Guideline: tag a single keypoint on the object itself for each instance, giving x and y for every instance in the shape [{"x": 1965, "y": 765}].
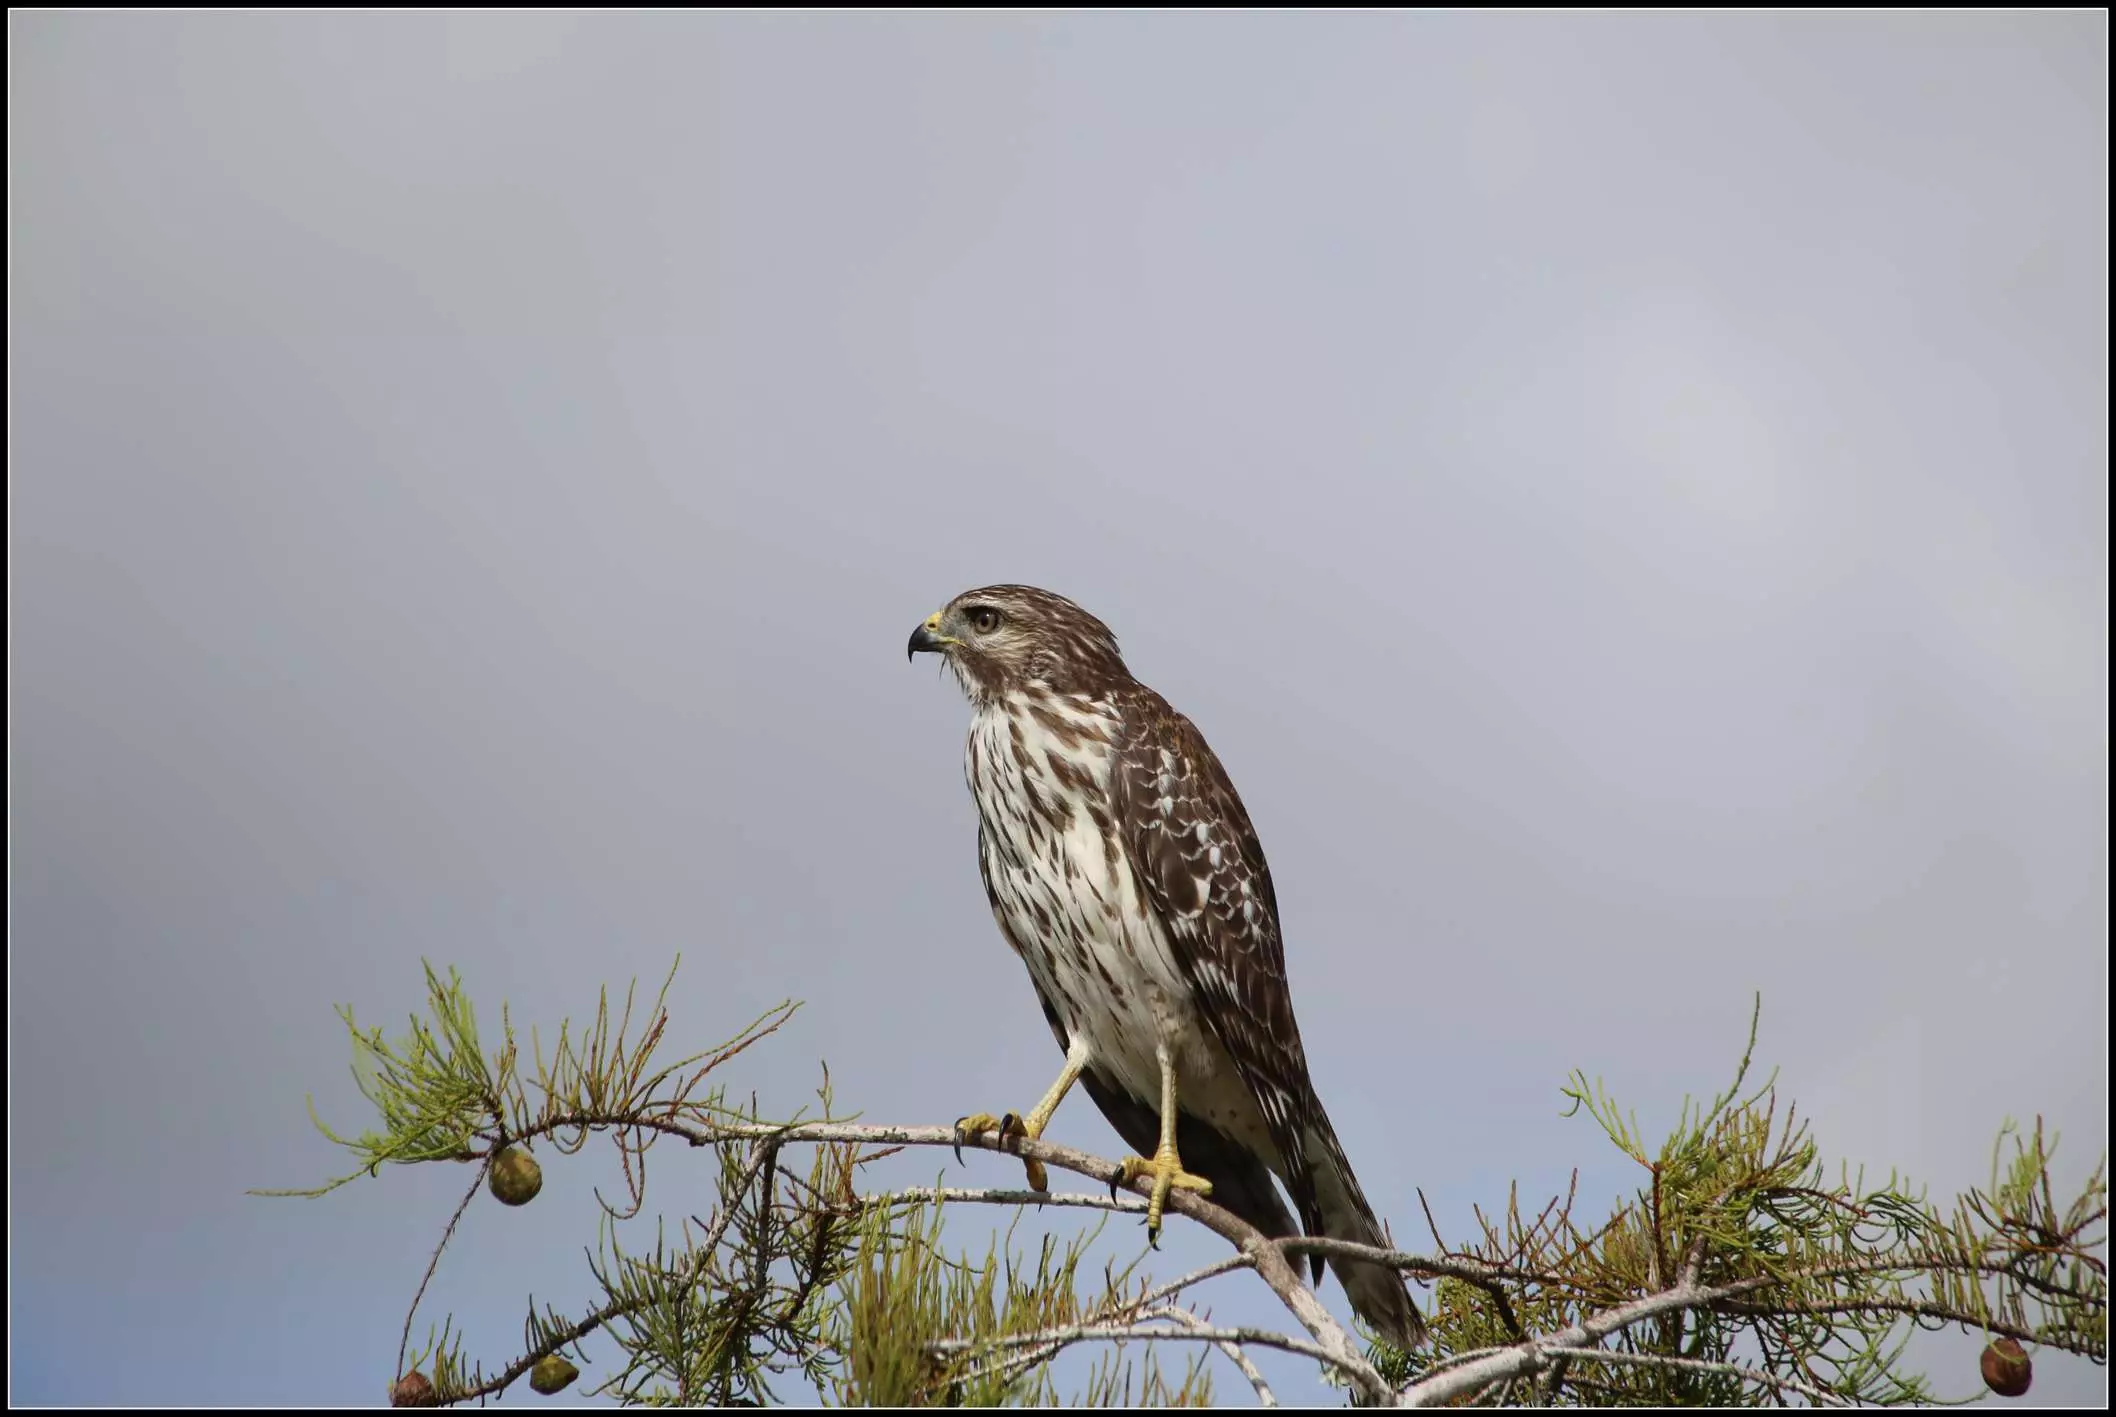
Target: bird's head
[{"x": 1012, "y": 636}]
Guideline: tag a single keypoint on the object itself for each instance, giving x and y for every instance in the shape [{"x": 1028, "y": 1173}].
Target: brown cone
[
  {"x": 413, "y": 1390},
  {"x": 2007, "y": 1369}
]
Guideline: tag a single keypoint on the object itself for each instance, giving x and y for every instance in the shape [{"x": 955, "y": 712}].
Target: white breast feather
[{"x": 1098, "y": 919}]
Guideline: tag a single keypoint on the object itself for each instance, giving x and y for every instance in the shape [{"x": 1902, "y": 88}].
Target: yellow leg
[
  {"x": 1039, "y": 1116},
  {"x": 1166, "y": 1168}
]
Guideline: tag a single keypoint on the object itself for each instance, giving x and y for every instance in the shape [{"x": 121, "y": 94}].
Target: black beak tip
[{"x": 922, "y": 639}]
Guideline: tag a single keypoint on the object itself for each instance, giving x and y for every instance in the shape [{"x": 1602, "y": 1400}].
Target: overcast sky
[{"x": 1625, "y": 496}]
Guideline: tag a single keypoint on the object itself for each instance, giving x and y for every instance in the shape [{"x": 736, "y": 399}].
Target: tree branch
[
  {"x": 434, "y": 1263},
  {"x": 1821, "y": 1396},
  {"x": 1125, "y": 1333},
  {"x": 1270, "y": 1262},
  {"x": 1232, "y": 1349},
  {"x": 616, "y": 1308},
  {"x": 1273, "y": 1261},
  {"x": 952, "y": 1195},
  {"x": 1527, "y": 1359}
]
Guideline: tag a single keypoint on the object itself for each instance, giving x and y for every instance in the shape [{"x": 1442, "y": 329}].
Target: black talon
[
  {"x": 1114, "y": 1177},
  {"x": 958, "y": 1138}
]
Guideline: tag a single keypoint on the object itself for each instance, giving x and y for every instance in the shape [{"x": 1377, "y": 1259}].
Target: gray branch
[
  {"x": 1821, "y": 1397},
  {"x": 1232, "y": 1349}
]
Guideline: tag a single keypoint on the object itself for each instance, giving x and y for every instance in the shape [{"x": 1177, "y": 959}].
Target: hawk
[{"x": 1123, "y": 869}]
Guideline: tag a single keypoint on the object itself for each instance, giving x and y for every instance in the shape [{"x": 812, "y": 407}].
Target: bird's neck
[{"x": 1036, "y": 735}]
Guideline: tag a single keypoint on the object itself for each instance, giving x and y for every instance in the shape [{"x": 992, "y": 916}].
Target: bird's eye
[{"x": 984, "y": 619}]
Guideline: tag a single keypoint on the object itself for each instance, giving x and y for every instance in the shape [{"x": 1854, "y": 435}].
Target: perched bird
[{"x": 1123, "y": 870}]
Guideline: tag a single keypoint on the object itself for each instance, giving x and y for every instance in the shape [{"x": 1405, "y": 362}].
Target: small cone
[
  {"x": 2007, "y": 1369},
  {"x": 413, "y": 1390},
  {"x": 552, "y": 1374},
  {"x": 515, "y": 1178}
]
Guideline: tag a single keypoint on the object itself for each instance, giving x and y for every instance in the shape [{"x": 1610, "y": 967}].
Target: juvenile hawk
[{"x": 1123, "y": 870}]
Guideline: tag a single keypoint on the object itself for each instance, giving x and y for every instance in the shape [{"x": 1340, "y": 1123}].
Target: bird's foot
[
  {"x": 1011, "y": 1125},
  {"x": 1168, "y": 1174}
]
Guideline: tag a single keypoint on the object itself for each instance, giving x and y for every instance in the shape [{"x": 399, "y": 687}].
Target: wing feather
[
  {"x": 1240, "y": 1181},
  {"x": 1198, "y": 858}
]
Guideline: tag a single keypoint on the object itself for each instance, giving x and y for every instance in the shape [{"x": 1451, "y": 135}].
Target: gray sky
[{"x": 1626, "y": 497}]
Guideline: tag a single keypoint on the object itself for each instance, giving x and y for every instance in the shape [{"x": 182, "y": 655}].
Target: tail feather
[
  {"x": 1378, "y": 1294},
  {"x": 1332, "y": 1204}
]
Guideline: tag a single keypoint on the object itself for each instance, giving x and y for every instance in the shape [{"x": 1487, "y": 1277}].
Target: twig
[
  {"x": 1273, "y": 1259},
  {"x": 1821, "y": 1396},
  {"x": 1111, "y": 1312},
  {"x": 1908, "y": 1308},
  {"x": 951, "y": 1195},
  {"x": 1543, "y": 1355},
  {"x": 1469, "y": 1271},
  {"x": 1270, "y": 1262},
  {"x": 434, "y": 1263},
  {"x": 1126, "y": 1333},
  {"x": 617, "y": 1308},
  {"x": 1225, "y": 1265},
  {"x": 1456, "y": 1360},
  {"x": 1535, "y": 1356},
  {"x": 1232, "y": 1349},
  {"x": 1272, "y": 1268}
]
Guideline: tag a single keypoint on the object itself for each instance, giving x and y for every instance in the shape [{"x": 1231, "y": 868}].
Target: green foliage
[
  {"x": 432, "y": 1087},
  {"x": 1828, "y": 1276},
  {"x": 1737, "y": 1274},
  {"x": 742, "y": 1297},
  {"x": 787, "y": 1274},
  {"x": 922, "y": 1328}
]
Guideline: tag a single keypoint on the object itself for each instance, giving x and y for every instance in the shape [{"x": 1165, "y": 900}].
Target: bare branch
[
  {"x": 1226, "y": 1265},
  {"x": 952, "y": 1195},
  {"x": 1579, "y": 1341},
  {"x": 1270, "y": 1261},
  {"x": 1821, "y": 1396},
  {"x": 1468, "y": 1271},
  {"x": 1737, "y": 1269},
  {"x": 1232, "y": 1349},
  {"x": 1534, "y": 1356},
  {"x": 1907, "y": 1308},
  {"x": 1127, "y": 1311},
  {"x": 618, "y": 1308},
  {"x": 1128, "y": 1333},
  {"x": 434, "y": 1263}
]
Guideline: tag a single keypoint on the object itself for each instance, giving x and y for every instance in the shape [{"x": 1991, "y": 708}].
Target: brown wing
[
  {"x": 1239, "y": 1179},
  {"x": 1198, "y": 857}
]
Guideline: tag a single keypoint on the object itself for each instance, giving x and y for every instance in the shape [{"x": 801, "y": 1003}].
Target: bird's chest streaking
[{"x": 1064, "y": 891}]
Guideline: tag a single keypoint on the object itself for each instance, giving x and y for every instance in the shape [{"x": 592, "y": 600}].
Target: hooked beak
[{"x": 928, "y": 639}]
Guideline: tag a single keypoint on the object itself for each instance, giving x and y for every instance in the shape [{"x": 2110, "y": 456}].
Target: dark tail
[
  {"x": 1241, "y": 1184},
  {"x": 1378, "y": 1294}
]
